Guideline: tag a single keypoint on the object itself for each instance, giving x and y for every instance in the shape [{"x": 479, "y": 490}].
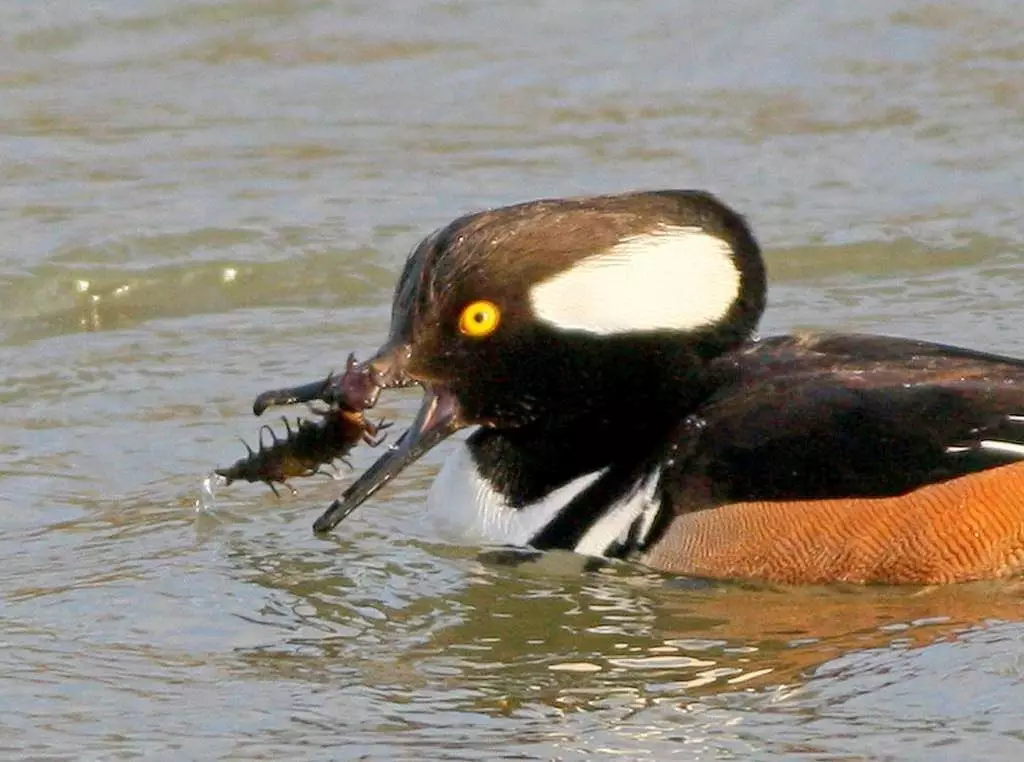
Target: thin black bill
[{"x": 437, "y": 419}]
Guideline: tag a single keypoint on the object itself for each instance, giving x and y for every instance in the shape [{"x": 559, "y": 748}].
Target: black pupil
[{"x": 479, "y": 317}]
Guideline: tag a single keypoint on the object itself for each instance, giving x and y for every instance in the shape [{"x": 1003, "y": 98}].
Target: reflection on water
[
  {"x": 205, "y": 199},
  {"x": 633, "y": 648}
]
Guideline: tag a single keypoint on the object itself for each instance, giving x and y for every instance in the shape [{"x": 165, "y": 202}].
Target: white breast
[{"x": 465, "y": 506}]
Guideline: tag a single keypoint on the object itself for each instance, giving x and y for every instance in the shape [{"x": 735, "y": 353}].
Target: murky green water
[{"x": 201, "y": 200}]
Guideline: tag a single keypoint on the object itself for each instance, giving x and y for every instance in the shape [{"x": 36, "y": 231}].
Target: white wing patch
[
  {"x": 994, "y": 445},
  {"x": 672, "y": 278}
]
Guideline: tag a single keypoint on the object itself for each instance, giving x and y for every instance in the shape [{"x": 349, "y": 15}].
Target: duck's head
[{"x": 555, "y": 312}]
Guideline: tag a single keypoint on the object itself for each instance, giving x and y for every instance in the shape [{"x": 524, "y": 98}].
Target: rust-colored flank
[{"x": 968, "y": 528}]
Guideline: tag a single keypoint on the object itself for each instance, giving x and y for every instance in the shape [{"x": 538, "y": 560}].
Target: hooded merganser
[{"x": 603, "y": 351}]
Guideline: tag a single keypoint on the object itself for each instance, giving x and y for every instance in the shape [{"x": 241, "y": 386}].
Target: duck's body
[
  {"x": 814, "y": 458},
  {"x": 604, "y": 348}
]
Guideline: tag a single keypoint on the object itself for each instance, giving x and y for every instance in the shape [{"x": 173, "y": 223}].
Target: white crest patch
[{"x": 671, "y": 278}]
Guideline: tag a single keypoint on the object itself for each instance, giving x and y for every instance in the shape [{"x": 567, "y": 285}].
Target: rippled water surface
[{"x": 201, "y": 200}]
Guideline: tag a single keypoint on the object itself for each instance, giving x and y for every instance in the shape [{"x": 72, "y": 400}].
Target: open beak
[
  {"x": 357, "y": 389},
  {"x": 437, "y": 419}
]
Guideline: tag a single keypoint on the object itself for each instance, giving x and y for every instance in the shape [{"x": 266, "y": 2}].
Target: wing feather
[{"x": 831, "y": 416}]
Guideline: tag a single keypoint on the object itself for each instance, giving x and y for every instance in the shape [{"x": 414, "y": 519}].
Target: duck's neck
[
  {"x": 582, "y": 476},
  {"x": 622, "y": 424},
  {"x": 525, "y": 465},
  {"x": 588, "y": 490},
  {"x": 581, "y": 485}
]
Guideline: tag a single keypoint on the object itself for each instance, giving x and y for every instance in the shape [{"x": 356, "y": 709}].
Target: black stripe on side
[{"x": 585, "y": 510}]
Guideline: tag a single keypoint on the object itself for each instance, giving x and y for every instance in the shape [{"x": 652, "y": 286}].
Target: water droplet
[{"x": 207, "y": 499}]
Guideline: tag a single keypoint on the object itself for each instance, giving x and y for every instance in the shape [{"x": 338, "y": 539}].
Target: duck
[{"x": 600, "y": 356}]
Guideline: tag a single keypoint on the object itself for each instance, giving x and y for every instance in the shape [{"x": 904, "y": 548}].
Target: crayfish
[{"x": 311, "y": 444}]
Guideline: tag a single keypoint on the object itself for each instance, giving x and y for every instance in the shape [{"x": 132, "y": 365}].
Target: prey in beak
[
  {"x": 437, "y": 419},
  {"x": 358, "y": 389}
]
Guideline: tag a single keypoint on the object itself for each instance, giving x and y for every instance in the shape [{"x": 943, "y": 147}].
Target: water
[{"x": 202, "y": 200}]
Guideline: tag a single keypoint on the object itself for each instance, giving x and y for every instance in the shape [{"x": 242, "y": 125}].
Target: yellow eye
[{"x": 479, "y": 319}]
